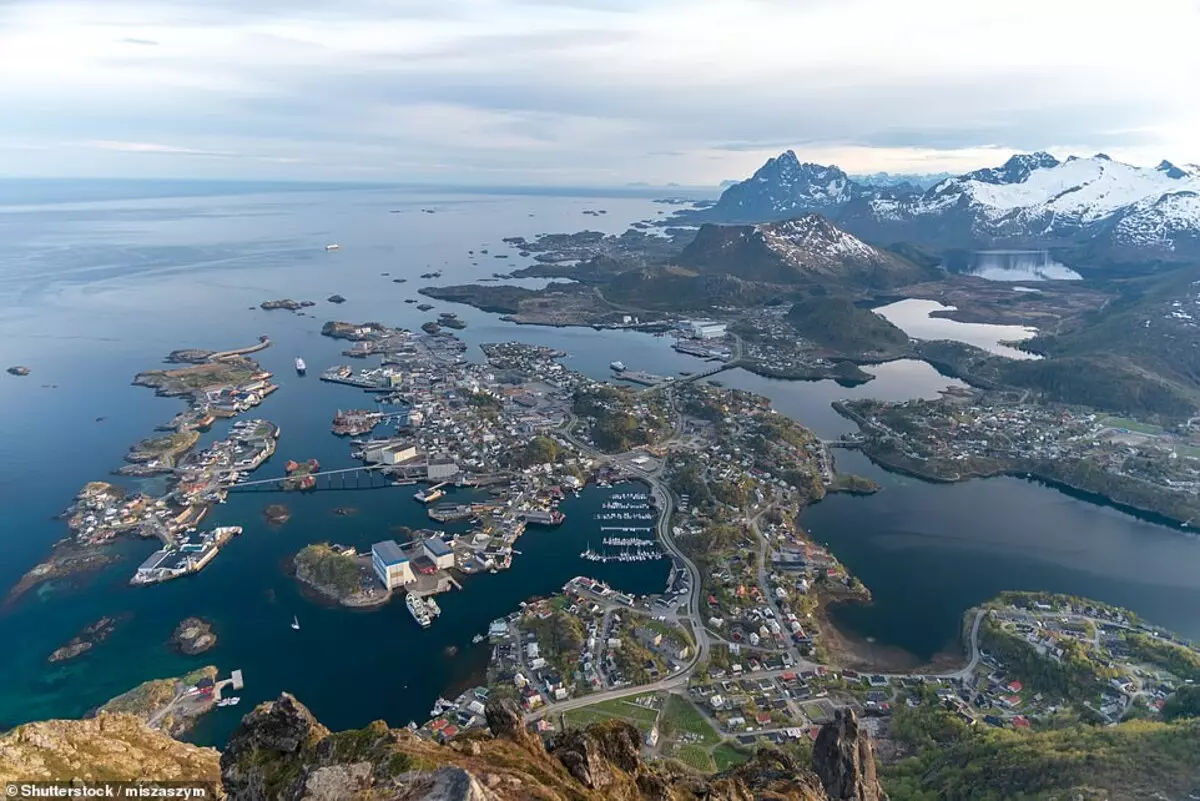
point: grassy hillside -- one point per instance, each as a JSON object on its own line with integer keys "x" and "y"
{"x": 838, "y": 325}
{"x": 1138, "y": 759}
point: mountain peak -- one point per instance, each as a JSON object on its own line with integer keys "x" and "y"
{"x": 1170, "y": 170}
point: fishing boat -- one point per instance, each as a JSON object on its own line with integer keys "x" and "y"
{"x": 295, "y": 623}
{"x": 301, "y": 367}
{"x": 416, "y": 608}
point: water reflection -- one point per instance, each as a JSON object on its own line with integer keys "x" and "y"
{"x": 914, "y": 317}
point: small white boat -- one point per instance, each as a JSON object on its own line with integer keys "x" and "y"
{"x": 478, "y": 638}
{"x": 301, "y": 367}
{"x": 233, "y": 700}
{"x": 295, "y": 623}
{"x": 333, "y": 246}
{"x": 618, "y": 366}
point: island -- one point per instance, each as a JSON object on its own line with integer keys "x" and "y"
{"x": 286, "y": 303}
{"x": 339, "y": 574}
{"x": 193, "y": 636}
{"x": 276, "y": 514}
{"x": 335, "y": 299}
{"x": 170, "y": 705}
{"x": 92, "y": 635}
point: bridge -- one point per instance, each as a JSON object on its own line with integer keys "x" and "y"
{"x": 720, "y": 368}
{"x": 348, "y": 478}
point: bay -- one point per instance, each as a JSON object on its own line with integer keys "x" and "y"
{"x": 93, "y": 292}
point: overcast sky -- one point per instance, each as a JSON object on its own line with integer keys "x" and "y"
{"x": 586, "y": 91}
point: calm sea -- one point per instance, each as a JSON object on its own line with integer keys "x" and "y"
{"x": 93, "y": 291}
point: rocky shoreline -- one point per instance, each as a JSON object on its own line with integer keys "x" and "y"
{"x": 92, "y": 635}
{"x": 311, "y": 568}
{"x": 1053, "y": 474}
{"x": 193, "y": 636}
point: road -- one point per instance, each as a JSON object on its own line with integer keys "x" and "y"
{"x": 666, "y": 504}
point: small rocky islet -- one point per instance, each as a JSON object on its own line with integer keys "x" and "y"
{"x": 193, "y": 636}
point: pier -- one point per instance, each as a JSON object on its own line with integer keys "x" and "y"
{"x": 264, "y": 342}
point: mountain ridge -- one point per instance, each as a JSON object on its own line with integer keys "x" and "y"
{"x": 1032, "y": 199}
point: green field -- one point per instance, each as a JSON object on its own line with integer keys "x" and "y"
{"x": 726, "y": 756}
{"x": 681, "y": 716}
{"x": 621, "y": 708}
{"x": 695, "y": 756}
{"x": 1132, "y": 425}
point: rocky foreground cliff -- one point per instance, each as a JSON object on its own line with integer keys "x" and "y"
{"x": 282, "y": 752}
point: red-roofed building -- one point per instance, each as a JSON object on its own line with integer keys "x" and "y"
{"x": 1016, "y": 686}
{"x": 1020, "y": 722}
{"x": 763, "y": 718}
{"x": 439, "y": 724}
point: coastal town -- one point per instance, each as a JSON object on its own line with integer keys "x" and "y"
{"x": 737, "y": 650}
{"x": 1142, "y": 466}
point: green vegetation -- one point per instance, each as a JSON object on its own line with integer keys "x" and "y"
{"x": 626, "y": 709}
{"x": 680, "y": 717}
{"x": 1076, "y": 677}
{"x": 617, "y": 428}
{"x": 1135, "y": 759}
{"x": 1177, "y": 660}
{"x": 695, "y": 756}
{"x": 836, "y": 324}
{"x": 184, "y": 380}
{"x": 1185, "y": 703}
{"x": 927, "y": 726}
{"x": 560, "y": 636}
{"x": 150, "y": 696}
{"x": 320, "y": 565}
{"x": 539, "y": 450}
{"x": 728, "y": 756}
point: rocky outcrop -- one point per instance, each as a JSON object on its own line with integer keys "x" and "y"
{"x": 282, "y": 752}
{"x": 844, "y": 759}
{"x": 116, "y": 747}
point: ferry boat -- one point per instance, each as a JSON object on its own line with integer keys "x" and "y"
{"x": 618, "y": 366}
{"x": 333, "y": 246}
{"x": 301, "y": 367}
{"x": 416, "y": 608}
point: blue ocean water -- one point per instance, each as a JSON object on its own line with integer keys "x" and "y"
{"x": 97, "y": 286}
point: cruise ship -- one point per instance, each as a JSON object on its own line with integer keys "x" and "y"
{"x": 301, "y": 367}
{"x": 618, "y": 366}
{"x": 416, "y": 608}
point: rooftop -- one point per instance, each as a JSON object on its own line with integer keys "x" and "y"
{"x": 388, "y": 552}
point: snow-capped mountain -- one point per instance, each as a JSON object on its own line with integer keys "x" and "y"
{"x": 1030, "y": 200}
{"x": 784, "y": 187}
{"x": 805, "y": 250}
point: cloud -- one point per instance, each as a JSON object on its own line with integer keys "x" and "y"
{"x": 151, "y": 147}
{"x": 591, "y": 90}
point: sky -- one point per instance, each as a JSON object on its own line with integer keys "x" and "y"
{"x": 586, "y": 92}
